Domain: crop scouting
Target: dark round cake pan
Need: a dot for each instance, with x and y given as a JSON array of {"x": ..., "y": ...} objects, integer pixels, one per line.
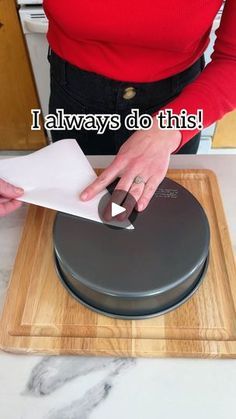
[
  {"x": 147, "y": 315},
  {"x": 140, "y": 273}
]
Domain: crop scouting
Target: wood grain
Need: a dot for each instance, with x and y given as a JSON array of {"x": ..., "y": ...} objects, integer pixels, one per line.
[
  {"x": 40, "y": 316},
  {"x": 18, "y": 93},
  {"x": 225, "y": 133}
]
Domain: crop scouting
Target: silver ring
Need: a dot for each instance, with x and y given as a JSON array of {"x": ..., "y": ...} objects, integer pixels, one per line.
[{"x": 139, "y": 179}]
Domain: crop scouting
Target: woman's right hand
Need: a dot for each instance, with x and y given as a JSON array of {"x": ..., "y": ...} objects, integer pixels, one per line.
[{"x": 8, "y": 195}]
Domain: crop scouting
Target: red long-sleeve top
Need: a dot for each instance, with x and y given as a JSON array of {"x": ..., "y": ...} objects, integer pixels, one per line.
[{"x": 132, "y": 40}]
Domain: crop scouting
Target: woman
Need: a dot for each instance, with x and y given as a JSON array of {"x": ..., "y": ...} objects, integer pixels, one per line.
[{"x": 112, "y": 57}]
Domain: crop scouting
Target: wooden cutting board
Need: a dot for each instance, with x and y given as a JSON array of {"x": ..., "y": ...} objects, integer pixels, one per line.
[{"x": 39, "y": 315}]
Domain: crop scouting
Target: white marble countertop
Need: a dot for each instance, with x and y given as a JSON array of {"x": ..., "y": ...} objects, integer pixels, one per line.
[{"x": 75, "y": 387}]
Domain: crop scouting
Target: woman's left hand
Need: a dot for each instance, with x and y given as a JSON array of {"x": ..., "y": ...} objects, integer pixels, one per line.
[{"x": 146, "y": 153}]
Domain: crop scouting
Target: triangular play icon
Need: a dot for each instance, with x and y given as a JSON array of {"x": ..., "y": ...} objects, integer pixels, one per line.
[{"x": 116, "y": 209}]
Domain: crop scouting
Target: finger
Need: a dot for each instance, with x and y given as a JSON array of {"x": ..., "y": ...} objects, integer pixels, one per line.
[
  {"x": 119, "y": 194},
  {"x": 126, "y": 181},
  {"x": 122, "y": 188},
  {"x": 135, "y": 192},
  {"x": 9, "y": 191},
  {"x": 9, "y": 207},
  {"x": 148, "y": 192},
  {"x": 102, "y": 181},
  {"x": 3, "y": 200},
  {"x": 117, "y": 197}
]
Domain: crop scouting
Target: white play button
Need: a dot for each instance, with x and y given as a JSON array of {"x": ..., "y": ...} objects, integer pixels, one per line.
[
  {"x": 116, "y": 209},
  {"x": 112, "y": 214}
]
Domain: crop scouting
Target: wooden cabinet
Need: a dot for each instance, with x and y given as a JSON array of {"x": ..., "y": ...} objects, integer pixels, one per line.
[
  {"x": 225, "y": 133},
  {"x": 17, "y": 90}
]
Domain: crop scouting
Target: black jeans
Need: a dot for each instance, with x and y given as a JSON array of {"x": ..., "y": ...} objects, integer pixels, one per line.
[{"x": 79, "y": 91}]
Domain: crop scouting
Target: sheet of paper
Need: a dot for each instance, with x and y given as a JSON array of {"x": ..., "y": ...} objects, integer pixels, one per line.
[{"x": 54, "y": 177}]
